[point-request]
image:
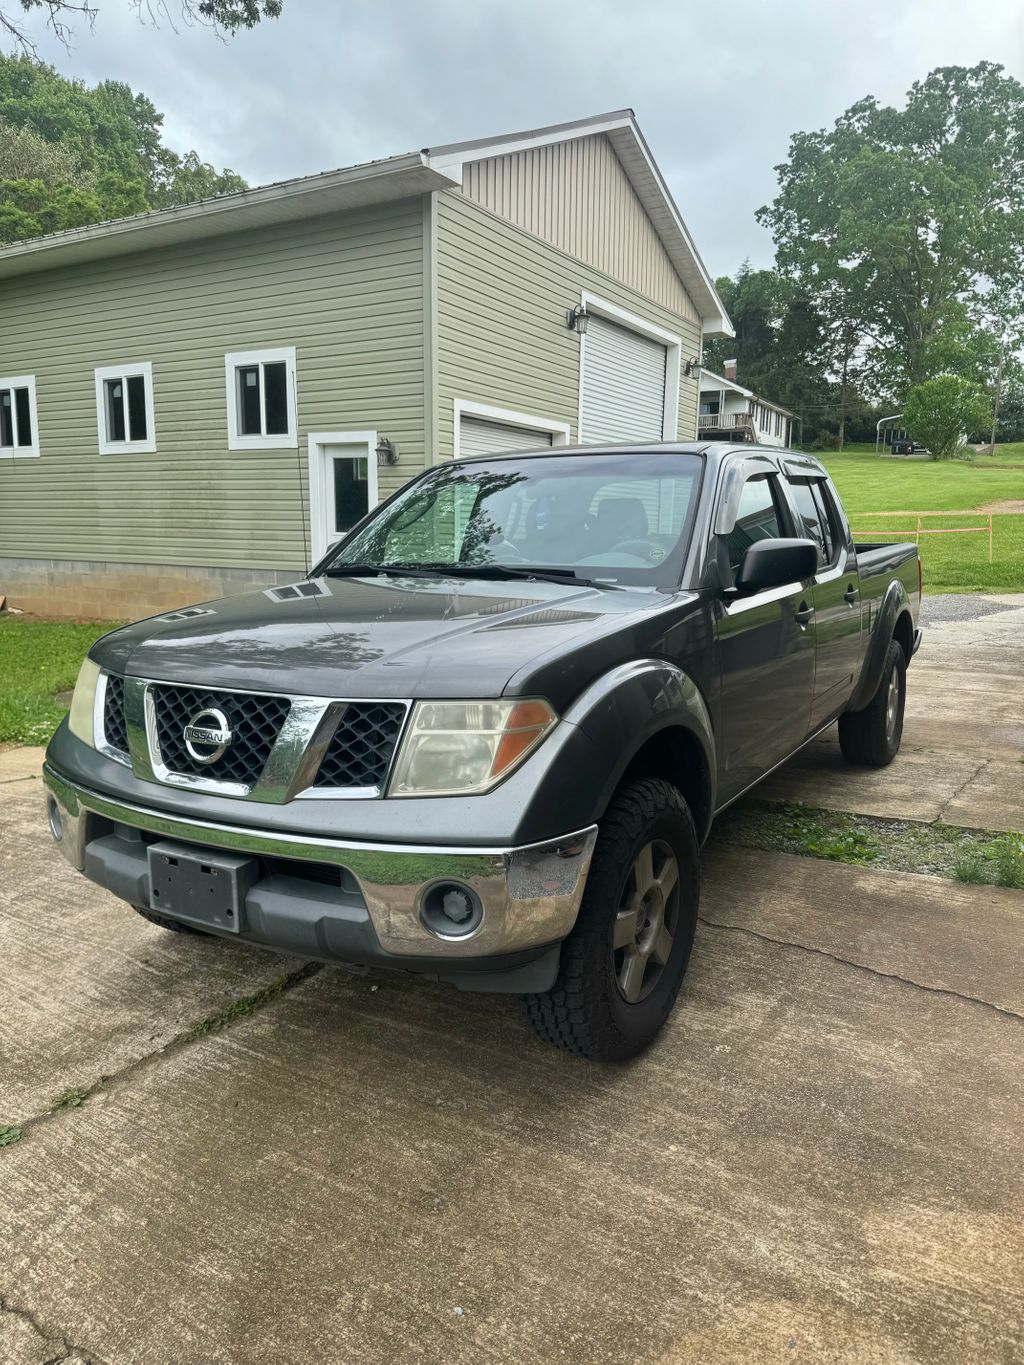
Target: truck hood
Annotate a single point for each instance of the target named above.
(394, 637)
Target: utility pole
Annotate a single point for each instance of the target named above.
(995, 400)
(842, 398)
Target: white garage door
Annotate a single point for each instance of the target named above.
(623, 385)
(480, 437)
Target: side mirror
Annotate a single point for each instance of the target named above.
(771, 563)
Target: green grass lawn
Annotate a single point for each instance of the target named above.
(38, 659)
(952, 563)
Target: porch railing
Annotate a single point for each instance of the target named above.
(725, 419)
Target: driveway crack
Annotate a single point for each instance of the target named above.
(65, 1351)
(964, 784)
(232, 1013)
(863, 967)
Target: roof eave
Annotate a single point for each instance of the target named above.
(374, 182)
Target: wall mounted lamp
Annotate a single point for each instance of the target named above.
(576, 319)
(387, 451)
(692, 367)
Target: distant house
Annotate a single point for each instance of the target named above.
(201, 399)
(729, 412)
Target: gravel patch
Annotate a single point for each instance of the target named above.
(951, 606)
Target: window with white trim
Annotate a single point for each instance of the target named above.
(124, 408)
(19, 429)
(261, 399)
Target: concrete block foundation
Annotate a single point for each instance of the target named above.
(106, 591)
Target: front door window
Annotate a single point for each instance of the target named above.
(342, 485)
(350, 480)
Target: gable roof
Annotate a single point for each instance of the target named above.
(623, 132)
(397, 177)
(720, 382)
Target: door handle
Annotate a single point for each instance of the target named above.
(850, 595)
(804, 613)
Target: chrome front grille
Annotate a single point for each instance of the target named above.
(254, 718)
(280, 747)
(363, 746)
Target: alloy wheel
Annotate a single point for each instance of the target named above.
(646, 921)
(892, 705)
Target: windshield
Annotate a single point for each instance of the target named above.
(619, 519)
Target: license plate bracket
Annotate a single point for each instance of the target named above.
(200, 887)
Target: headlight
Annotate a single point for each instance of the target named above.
(457, 747)
(81, 722)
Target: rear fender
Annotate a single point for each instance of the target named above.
(894, 604)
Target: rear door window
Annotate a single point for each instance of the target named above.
(818, 514)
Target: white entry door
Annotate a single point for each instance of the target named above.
(342, 484)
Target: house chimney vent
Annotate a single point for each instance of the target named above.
(729, 370)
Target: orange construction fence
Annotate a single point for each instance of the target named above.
(920, 530)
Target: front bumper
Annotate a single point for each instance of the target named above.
(530, 896)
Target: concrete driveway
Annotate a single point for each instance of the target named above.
(820, 1160)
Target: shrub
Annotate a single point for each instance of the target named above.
(941, 412)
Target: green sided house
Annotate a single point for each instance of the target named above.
(203, 399)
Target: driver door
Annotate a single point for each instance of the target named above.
(764, 643)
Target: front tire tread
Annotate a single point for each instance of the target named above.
(577, 1014)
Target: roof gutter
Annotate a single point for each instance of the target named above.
(288, 199)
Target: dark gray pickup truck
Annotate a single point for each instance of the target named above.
(485, 737)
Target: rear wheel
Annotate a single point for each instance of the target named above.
(873, 736)
(165, 922)
(624, 961)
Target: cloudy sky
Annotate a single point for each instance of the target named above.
(717, 88)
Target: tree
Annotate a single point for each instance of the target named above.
(782, 349)
(72, 154)
(941, 413)
(24, 155)
(895, 221)
(756, 301)
(192, 179)
(61, 15)
(1011, 410)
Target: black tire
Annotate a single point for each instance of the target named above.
(586, 1011)
(872, 736)
(165, 922)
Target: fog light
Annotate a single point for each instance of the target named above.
(451, 910)
(56, 820)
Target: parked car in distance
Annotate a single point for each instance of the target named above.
(906, 445)
(484, 739)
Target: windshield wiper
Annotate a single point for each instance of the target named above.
(437, 569)
(369, 570)
(538, 573)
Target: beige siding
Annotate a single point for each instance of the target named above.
(576, 195)
(345, 291)
(502, 338)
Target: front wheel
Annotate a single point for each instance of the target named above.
(873, 736)
(625, 959)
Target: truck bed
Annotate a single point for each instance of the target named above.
(880, 561)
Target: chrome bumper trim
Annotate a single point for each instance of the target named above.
(530, 894)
